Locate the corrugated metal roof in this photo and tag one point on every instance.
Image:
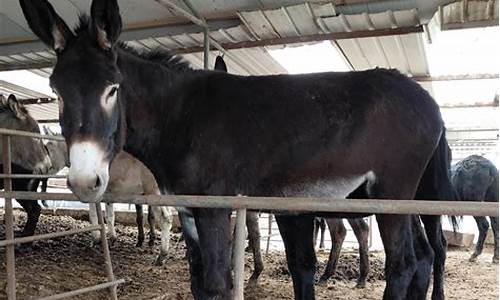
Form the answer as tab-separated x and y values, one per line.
470	11
285	21
405	53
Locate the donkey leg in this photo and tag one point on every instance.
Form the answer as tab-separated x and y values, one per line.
362	232
165	226
494	227
96	234
110	222
140	225
425	258
297	233
322	226
214	231
337	233
434	231
482	225
254	243
400	259
190	234
33	211
316	230
152	224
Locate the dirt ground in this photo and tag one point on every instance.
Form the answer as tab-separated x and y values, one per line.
64	264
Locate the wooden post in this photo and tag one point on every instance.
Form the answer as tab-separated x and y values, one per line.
105	250
239	254
9	220
269	231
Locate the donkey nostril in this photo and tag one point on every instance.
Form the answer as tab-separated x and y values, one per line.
97	183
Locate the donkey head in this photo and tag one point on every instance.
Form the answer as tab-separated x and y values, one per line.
86	79
26	152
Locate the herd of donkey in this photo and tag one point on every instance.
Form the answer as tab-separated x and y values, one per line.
473	178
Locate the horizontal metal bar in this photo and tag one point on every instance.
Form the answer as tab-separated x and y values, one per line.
35	176
303	204
45	121
47	236
84	290
182	12
308	38
13	132
456	77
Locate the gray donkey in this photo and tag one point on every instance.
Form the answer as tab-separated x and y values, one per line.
28	156
127	176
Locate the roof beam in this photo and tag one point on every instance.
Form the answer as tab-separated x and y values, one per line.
309	38
32	45
455	77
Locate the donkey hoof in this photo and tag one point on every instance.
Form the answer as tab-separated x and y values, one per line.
159	260
112	240
95	243
151	243
322	281
473	258
495	259
139	244
361	285
253	281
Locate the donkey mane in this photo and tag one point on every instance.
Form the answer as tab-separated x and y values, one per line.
159	56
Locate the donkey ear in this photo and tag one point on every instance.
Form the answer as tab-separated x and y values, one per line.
106	21
46	24
220	64
16	107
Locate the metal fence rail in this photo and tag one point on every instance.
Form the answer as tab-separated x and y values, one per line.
321	204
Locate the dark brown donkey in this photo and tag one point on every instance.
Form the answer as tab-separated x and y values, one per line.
370	134
475	178
29	156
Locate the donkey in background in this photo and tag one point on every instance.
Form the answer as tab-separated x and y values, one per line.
337	233
127	176
28	156
475	178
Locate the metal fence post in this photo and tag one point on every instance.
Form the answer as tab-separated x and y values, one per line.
105	250
239	254
269	231
206	48
9	220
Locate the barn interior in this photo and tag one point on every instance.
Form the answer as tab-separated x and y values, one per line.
449	47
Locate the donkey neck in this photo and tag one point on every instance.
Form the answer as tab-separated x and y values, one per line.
147	95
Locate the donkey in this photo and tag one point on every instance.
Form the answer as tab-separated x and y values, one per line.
338	233
28	156
127	176
368	134
475	178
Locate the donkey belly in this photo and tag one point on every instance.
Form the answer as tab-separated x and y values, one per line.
338	188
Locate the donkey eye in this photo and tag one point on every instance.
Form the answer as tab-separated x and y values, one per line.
113	91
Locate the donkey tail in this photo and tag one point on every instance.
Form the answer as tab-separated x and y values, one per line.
436	180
